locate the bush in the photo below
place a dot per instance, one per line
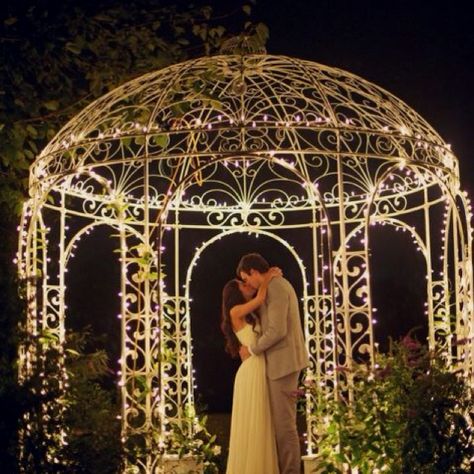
(411, 413)
(91, 414)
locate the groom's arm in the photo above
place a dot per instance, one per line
(277, 311)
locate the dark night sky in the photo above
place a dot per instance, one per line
(421, 53)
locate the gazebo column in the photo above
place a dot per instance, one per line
(464, 315)
(320, 331)
(28, 273)
(438, 293)
(452, 294)
(463, 303)
(28, 364)
(437, 326)
(175, 365)
(353, 311)
(54, 318)
(142, 406)
(41, 361)
(176, 359)
(352, 295)
(438, 304)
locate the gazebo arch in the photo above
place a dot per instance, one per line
(302, 152)
(207, 245)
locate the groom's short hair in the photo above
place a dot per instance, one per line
(252, 261)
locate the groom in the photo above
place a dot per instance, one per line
(282, 342)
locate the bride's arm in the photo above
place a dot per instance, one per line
(238, 312)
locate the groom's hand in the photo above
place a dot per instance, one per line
(244, 353)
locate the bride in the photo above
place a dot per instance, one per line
(252, 446)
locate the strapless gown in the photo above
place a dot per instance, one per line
(252, 446)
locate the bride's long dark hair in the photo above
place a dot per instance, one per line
(231, 296)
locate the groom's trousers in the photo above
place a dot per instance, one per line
(283, 406)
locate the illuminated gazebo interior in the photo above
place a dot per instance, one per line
(308, 155)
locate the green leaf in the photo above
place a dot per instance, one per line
(126, 141)
(33, 146)
(32, 130)
(140, 140)
(73, 48)
(73, 352)
(220, 31)
(51, 104)
(206, 12)
(29, 154)
(10, 21)
(103, 18)
(262, 32)
(19, 102)
(180, 108)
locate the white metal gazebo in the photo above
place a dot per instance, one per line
(309, 155)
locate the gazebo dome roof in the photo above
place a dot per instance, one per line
(245, 105)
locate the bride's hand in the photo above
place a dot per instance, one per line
(262, 290)
(274, 272)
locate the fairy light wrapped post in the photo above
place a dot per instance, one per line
(308, 155)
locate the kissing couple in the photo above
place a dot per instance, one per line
(261, 323)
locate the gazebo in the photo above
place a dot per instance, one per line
(308, 155)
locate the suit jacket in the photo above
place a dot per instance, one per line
(282, 338)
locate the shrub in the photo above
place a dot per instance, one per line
(411, 413)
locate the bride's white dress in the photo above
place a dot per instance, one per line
(252, 446)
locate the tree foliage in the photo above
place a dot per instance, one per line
(92, 409)
(54, 60)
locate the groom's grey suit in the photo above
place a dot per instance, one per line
(282, 342)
